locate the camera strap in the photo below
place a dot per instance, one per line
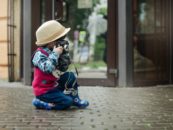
(76, 69)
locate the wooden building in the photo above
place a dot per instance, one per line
(138, 43)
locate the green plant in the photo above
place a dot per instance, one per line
(99, 49)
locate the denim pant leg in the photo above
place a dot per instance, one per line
(57, 97)
(68, 80)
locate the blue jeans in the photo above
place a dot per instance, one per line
(56, 96)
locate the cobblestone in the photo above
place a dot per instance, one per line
(148, 108)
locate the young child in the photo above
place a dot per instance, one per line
(52, 92)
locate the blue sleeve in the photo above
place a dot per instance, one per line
(45, 63)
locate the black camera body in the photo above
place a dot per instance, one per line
(64, 59)
(64, 44)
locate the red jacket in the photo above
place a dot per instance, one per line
(43, 82)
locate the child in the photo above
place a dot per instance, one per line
(52, 92)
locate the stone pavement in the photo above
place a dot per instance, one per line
(149, 108)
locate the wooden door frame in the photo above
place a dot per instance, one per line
(34, 13)
(171, 43)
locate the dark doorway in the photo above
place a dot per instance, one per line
(151, 42)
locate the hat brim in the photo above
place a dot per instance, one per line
(54, 38)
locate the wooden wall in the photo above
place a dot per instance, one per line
(3, 40)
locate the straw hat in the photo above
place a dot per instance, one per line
(50, 31)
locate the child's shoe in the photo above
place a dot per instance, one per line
(77, 102)
(80, 103)
(41, 105)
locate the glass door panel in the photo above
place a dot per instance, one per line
(88, 22)
(151, 40)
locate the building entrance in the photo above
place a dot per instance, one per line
(92, 36)
(89, 29)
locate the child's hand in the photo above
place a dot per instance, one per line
(58, 50)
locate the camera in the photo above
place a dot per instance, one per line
(64, 44)
(64, 59)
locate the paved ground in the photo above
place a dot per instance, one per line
(149, 108)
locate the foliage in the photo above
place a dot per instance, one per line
(77, 18)
(99, 48)
(103, 11)
(91, 65)
(96, 64)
